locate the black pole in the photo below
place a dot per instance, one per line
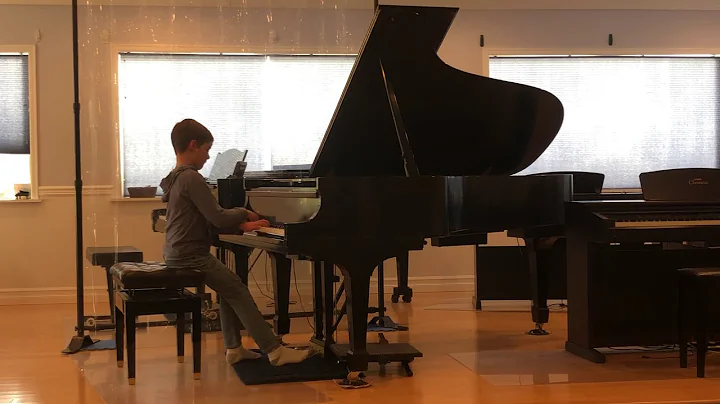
(80, 340)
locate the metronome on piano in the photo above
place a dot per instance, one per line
(240, 166)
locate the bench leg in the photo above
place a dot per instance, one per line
(180, 331)
(196, 340)
(682, 323)
(130, 332)
(119, 336)
(701, 328)
(111, 294)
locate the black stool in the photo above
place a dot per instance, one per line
(106, 257)
(150, 288)
(695, 285)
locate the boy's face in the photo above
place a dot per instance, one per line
(198, 155)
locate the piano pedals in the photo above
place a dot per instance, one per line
(381, 322)
(358, 353)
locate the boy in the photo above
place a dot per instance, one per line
(193, 214)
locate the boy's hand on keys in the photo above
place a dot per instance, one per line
(252, 216)
(252, 226)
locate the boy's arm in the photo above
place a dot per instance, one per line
(202, 197)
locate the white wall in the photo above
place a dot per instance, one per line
(37, 242)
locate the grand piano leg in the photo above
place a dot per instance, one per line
(323, 280)
(357, 295)
(241, 254)
(281, 272)
(538, 286)
(402, 289)
(318, 315)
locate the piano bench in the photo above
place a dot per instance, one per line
(146, 288)
(695, 286)
(106, 257)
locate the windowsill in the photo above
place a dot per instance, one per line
(20, 201)
(127, 199)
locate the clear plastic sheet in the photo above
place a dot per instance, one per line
(263, 76)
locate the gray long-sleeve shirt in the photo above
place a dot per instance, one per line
(193, 214)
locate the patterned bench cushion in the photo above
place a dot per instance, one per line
(151, 274)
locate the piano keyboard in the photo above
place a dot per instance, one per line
(667, 223)
(271, 232)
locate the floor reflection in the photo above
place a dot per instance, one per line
(523, 367)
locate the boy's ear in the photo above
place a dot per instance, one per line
(192, 145)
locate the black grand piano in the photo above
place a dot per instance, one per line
(415, 150)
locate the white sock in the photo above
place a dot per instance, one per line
(238, 354)
(285, 355)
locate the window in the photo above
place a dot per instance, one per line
(15, 165)
(276, 107)
(625, 115)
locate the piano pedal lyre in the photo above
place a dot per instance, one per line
(538, 330)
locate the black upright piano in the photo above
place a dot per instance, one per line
(621, 254)
(416, 150)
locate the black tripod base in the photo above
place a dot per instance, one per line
(538, 330)
(77, 344)
(385, 323)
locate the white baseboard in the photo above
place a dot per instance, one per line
(98, 294)
(68, 295)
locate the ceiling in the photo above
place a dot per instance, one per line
(368, 4)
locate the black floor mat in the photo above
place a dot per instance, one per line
(260, 371)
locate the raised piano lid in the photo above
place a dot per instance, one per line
(457, 123)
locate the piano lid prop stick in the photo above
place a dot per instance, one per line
(411, 169)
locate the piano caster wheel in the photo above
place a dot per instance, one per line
(408, 371)
(354, 380)
(407, 299)
(538, 330)
(396, 298)
(212, 315)
(89, 323)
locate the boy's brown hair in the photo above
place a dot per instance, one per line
(188, 130)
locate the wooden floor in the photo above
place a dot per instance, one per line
(470, 357)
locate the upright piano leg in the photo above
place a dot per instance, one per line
(538, 288)
(357, 294)
(281, 272)
(402, 289)
(580, 269)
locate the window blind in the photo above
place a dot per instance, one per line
(277, 107)
(14, 105)
(625, 115)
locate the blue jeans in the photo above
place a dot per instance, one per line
(237, 306)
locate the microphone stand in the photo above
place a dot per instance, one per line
(79, 341)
